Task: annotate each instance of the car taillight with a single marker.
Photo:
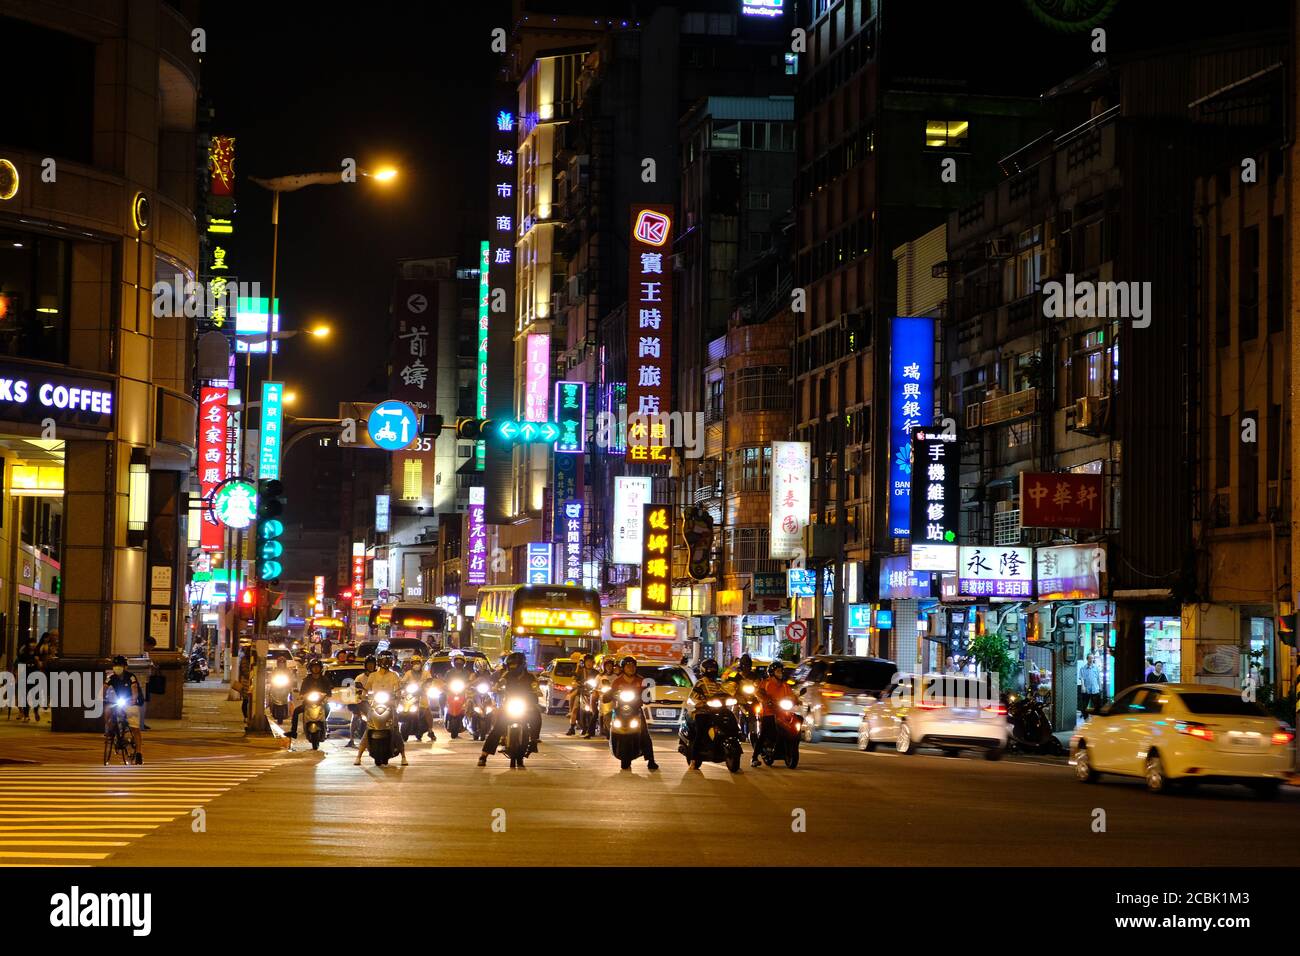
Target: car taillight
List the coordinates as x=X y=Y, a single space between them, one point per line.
x=995 y=709
x=832 y=693
x=1199 y=731
x=1283 y=737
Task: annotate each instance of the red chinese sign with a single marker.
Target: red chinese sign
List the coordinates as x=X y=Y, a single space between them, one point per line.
x=1066 y=500
x=221 y=165
x=213 y=463
x=649 y=333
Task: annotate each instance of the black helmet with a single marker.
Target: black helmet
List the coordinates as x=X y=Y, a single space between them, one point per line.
x=370 y=659
x=776 y=669
x=515 y=658
x=709 y=668
x=627 y=660
x=746 y=662
x=119 y=661
x=315 y=662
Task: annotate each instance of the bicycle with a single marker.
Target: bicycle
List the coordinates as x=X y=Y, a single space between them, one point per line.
x=117 y=737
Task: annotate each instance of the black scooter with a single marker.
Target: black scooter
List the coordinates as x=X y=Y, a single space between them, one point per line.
x=1030 y=726
x=723 y=736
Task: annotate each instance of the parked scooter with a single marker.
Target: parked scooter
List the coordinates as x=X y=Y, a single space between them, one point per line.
x=453 y=707
x=313 y=715
x=381 y=724
x=625 y=728
x=1030 y=726
x=281 y=682
x=198 y=668
x=723 y=741
x=481 y=711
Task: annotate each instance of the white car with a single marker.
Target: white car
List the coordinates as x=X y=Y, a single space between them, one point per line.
x=1182 y=734
x=947 y=711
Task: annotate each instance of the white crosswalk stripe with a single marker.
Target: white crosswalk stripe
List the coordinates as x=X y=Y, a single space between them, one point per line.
x=81 y=815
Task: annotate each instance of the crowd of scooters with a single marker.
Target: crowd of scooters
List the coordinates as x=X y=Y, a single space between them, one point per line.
x=501 y=708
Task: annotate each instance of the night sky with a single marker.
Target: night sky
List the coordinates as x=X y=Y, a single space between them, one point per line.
x=301 y=86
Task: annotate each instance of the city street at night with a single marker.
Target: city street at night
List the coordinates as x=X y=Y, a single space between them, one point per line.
x=880 y=413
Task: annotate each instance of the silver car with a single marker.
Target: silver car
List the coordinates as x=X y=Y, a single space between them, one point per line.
x=833 y=690
x=952 y=712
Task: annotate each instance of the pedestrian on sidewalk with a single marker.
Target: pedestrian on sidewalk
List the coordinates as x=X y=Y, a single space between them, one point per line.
x=246 y=681
x=1090 y=684
x=27 y=660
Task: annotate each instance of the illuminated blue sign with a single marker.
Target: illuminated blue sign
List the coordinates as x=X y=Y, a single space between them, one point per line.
x=859 y=617
x=268 y=458
x=911 y=403
x=802 y=582
x=539 y=562
x=885 y=620
x=761 y=8
x=392 y=425
x=898 y=581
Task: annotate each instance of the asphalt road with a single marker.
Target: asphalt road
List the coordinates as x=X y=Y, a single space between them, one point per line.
x=572 y=805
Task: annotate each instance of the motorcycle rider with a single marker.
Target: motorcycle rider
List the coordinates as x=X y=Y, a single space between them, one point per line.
x=770 y=692
x=701 y=720
x=513 y=678
x=745 y=674
x=627 y=679
x=384 y=679
x=369 y=666
x=121 y=681
x=314 y=681
x=585 y=670
x=415 y=673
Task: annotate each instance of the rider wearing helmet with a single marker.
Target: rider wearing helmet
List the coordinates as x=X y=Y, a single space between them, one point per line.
x=628 y=679
x=700 y=719
x=771 y=690
x=385 y=680
x=368 y=667
x=514 y=677
x=415 y=674
x=314 y=681
x=120 y=681
x=586 y=670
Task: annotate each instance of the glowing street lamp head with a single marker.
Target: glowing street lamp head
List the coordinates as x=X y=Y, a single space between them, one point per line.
x=320 y=331
x=384 y=174
x=288 y=398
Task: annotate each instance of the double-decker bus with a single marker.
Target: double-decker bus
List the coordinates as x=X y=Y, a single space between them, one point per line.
x=543 y=621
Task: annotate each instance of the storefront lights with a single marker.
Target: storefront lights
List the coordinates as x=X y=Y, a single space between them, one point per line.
x=137 y=515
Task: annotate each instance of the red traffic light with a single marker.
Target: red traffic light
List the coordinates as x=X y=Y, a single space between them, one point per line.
x=248 y=597
x=347 y=594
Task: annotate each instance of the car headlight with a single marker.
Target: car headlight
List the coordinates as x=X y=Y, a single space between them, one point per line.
x=381 y=697
x=786 y=704
x=515 y=707
x=457 y=686
x=714 y=702
x=627 y=696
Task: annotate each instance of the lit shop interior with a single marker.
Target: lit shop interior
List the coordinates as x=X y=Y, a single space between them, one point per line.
x=31 y=535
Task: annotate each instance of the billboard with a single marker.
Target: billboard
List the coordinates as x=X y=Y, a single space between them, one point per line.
x=649 y=329
x=381 y=512
x=936 y=500
x=213 y=461
x=571 y=515
x=911 y=404
x=1065 y=500
x=537 y=378
x=631 y=494
x=1069 y=573
x=539 y=562
x=476 y=564
x=414 y=345
x=570 y=409
x=656 y=559
x=268 y=456
x=791 y=481
x=995 y=572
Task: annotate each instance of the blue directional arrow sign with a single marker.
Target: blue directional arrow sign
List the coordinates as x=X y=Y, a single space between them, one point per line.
x=393 y=425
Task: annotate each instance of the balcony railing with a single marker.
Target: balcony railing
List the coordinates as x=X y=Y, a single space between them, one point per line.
x=1004 y=408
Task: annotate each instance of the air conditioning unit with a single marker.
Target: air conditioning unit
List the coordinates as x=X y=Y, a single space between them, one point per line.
x=1084 y=414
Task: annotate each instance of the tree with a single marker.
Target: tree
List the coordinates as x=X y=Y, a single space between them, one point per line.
x=992 y=654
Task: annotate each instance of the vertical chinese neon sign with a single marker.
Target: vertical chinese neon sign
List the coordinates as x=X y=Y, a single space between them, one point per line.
x=911 y=403
x=537 y=381
x=484 y=294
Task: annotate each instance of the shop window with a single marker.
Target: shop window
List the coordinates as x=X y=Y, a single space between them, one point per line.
x=34 y=283
x=946 y=134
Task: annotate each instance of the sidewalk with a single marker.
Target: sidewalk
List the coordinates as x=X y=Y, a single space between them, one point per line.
x=212 y=726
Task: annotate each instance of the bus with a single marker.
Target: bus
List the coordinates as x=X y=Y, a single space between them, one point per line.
x=645 y=636
x=543 y=621
x=413 y=620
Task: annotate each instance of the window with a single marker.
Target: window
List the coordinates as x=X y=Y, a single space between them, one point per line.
x=714 y=404
x=761 y=388
x=1248 y=284
x=1222 y=290
x=946 y=134
x=725 y=136
x=1090 y=366
x=1276 y=273
x=1248 y=475
x=746 y=551
x=748 y=469
x=412 y=479
x=760 y=200
x=1223 y=452
x=34 y=284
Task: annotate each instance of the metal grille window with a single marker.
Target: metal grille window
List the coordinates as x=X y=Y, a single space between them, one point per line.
x=746 y=551
x=1006 y=527
x=764 y=388
x=749 y=468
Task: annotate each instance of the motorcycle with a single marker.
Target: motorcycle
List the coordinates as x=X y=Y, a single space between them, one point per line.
x=625 y=728
x=313 y=716
x=453 y=713
x=117 y=737
x=604 y=702
x=482 y=711
x=198 y=669
x=723 y=743
x=380 y=726
x=1030 y=726
x=279 y=696
x=410 y=711
x=746 y=712
x=515 y=739
x=786 y=732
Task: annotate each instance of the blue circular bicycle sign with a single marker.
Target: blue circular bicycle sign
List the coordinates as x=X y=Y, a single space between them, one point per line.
x=393 y=425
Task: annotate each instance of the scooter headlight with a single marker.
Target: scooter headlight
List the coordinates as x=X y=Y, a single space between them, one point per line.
x=482 y=688
x=516 y=708
x=381 y=697
x=120 y=702
x=747 y=689
x=786 y=704
x=714 y=702
x=434 y=693
x=314 y=696
x=591 y=682
x=627 y=696
x=731 y=702
x=412 y=688
x=280 y=680
x=457 y=686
